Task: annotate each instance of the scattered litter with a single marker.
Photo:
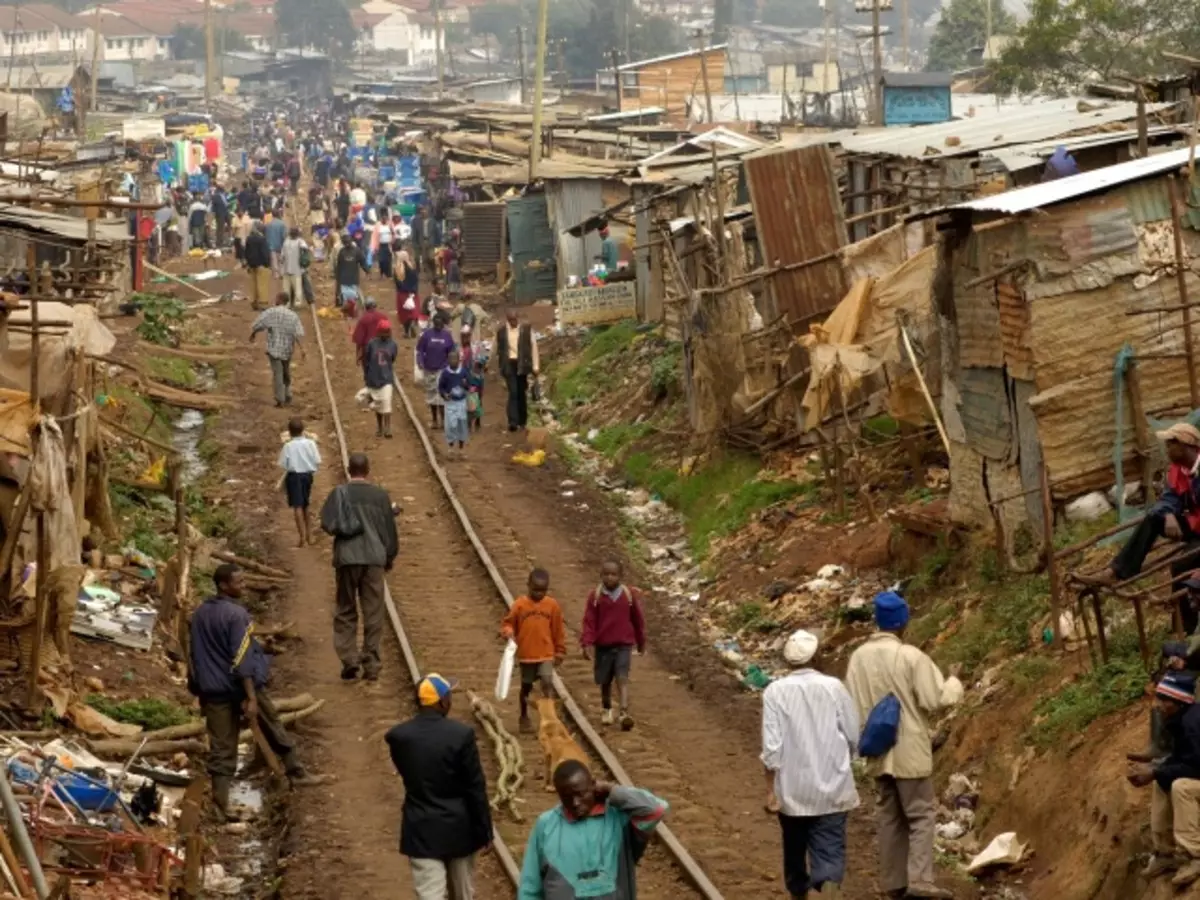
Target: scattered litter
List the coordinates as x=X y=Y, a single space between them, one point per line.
x=536 y=458
x=830 y=571
x=1088 y=508
x=1004 y=850
x=104 y=614
x=215 y=879
x=951 y=831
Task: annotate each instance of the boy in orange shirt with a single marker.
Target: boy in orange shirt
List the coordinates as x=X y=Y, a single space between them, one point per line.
x=535 y=622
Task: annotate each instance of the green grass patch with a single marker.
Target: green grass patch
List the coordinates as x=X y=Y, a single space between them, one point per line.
x=752 y=616
x=136 y=412
x=140 y=528
x=1077 y=532
x=715 y=499
x=1028 y=672
x=612 y=440
x=924 y=628
x=210 y=519
x=1001 y=623
x=666 y=371
x=580 y=380
x=178 y=372
x=1096 y=693
x=151 y=713
x=162 y=317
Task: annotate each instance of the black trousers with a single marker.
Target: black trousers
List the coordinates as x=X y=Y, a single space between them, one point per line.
x=1137 y=547
x=518 y=399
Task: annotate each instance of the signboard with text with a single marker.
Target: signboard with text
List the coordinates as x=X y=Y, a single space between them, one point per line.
x=597 y=305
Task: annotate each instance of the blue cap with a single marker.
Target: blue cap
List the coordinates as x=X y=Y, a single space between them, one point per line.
x=891 y=611
x=1177 y=686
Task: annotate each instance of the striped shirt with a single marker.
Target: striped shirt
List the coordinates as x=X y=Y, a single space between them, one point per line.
x=809 y=732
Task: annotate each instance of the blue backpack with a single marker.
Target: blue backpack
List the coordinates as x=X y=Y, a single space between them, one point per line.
x=882 y=727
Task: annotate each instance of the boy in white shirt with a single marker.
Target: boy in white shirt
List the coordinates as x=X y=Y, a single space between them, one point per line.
x=299 y=460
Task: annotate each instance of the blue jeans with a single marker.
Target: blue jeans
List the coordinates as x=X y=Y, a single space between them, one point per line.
x=818 y=842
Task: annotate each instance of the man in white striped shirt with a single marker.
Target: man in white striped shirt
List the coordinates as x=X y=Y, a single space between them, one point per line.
x=809 y=733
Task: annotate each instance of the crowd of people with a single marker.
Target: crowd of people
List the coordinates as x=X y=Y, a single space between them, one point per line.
x=813 y=725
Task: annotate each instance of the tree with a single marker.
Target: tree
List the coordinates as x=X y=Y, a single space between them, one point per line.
x=1064 y=45
x=187 y=42
x=962 y=28
x=321 y=24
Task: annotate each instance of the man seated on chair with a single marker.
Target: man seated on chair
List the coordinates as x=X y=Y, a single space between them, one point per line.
x=1176 y=517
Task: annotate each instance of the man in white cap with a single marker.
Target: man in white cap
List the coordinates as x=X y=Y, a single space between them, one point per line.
x=809 y=733
x=1176 y=515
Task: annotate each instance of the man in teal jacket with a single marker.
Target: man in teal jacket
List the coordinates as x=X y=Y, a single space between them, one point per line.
x=590 y=844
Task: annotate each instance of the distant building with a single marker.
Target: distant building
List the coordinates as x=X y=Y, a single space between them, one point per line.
x=494 y=90
x=670 y=81
x=801 y=72
x=393 y=28
x=916 y=98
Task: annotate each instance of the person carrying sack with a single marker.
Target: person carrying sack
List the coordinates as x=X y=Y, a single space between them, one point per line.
x=895 y=688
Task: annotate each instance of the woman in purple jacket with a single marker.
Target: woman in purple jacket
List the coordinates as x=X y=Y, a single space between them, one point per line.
x=433 y=350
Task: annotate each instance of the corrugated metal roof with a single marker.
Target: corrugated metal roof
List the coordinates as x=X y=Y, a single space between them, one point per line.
x=1037 y=122
x=642 y=63
x=1034 y=154
x=1037 y=196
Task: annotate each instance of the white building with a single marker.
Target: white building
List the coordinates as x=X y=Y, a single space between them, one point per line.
x=39 y=29
x=387 y=27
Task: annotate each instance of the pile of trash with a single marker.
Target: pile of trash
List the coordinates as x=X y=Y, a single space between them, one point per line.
x=955 y=831
x=116 y=599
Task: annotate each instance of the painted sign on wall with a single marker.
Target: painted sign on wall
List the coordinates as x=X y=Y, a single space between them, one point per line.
x=597 y=305
x=903 y=105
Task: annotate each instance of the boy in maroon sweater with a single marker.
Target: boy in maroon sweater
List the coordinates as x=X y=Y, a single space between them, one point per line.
x=613 y=625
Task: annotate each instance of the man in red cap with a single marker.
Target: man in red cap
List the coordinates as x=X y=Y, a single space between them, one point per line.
x=379 y=361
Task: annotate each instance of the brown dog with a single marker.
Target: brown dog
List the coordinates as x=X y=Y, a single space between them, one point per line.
x=556 y=741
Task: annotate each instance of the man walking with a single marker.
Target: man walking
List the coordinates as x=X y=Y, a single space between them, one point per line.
x=284 y=332
x=446 y=818
x=294 y=255
x=904 y=774
x=809 y=733
x=276 y=234
x=227 y=671
x=258 y=264
x=518 y=355
x=359 y=515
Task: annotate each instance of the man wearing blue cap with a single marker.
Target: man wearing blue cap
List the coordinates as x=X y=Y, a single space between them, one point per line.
x=446 y=818
x=1175 y=805
x=904 y=774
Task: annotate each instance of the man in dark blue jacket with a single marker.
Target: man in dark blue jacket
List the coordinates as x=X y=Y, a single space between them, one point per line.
x=228 y=672
x=446 y=818
x=1175 y=806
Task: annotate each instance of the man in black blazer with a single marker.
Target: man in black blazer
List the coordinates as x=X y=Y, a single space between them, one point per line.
x=446 y=818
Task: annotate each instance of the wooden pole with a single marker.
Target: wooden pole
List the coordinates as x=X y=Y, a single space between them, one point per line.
x=96 y=38
x=521 y=64
x=704 y=76
x=1141 y=429
x=209 y=55
x=1051 y=562
x=1181 y=281
x=539 y=77
x=617 y=78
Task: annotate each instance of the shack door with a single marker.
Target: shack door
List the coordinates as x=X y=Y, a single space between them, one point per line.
x=532 y=245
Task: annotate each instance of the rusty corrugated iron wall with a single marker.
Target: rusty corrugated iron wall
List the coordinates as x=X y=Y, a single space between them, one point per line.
x=483 y=234
x=798 y=213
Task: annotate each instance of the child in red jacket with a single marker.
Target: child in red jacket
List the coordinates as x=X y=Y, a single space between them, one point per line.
x=613 y=625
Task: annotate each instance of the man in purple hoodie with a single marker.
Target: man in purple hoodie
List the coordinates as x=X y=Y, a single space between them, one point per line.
x=433 y=351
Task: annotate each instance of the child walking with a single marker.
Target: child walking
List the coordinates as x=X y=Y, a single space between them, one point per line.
x=535 y=622
x=379 y=360
x=475 y=395
x=613 y=625
x=454 y=388
x=299 y=458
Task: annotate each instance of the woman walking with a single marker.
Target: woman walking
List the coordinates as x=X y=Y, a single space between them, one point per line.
x=407 y=280
x=433 y=353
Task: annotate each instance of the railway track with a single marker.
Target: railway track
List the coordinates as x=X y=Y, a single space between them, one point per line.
x=450 y=586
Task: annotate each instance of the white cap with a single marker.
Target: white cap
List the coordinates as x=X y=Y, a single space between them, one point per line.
x=800 y=648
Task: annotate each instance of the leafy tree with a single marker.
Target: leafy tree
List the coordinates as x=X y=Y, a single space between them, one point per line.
x=321 y=24
x=1063 y=45
x=963 y=27
x=187 y=41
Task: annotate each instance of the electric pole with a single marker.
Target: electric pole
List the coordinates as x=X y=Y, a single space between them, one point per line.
x=616 y=56
x=825 y=72
x=539 y=77
x=437 y=37
x=877 y=50
x=521 y=63
x=95 y=54
x=209 y=50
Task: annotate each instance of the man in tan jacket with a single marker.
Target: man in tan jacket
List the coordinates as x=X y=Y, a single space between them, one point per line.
x=904 y=775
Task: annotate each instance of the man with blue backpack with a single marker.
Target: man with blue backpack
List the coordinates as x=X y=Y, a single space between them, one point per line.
x=896 y=687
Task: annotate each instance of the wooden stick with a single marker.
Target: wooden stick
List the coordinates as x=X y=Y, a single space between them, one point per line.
x=1181 y=282
x=937 y=419
x=1097 y=538
x=14 y=866
x=171 y=277
x=999 y=273
x=264 y=748
x=252 y=565
x=1051 y=562
x=117 y=426
x=1141 y=429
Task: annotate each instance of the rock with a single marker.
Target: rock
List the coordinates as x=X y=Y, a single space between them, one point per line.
x=1132 y=489
x=1088 y=508
x=830 y=571
x=92 y=683
x=658 y=553
x=777 y=589
x=950 y=831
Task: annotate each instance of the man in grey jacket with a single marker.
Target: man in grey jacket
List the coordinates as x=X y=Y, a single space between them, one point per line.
x=361 y=518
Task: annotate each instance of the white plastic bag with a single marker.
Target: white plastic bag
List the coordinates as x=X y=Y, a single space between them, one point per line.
x=508 y=662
